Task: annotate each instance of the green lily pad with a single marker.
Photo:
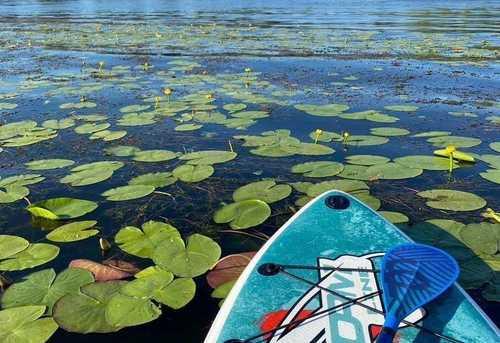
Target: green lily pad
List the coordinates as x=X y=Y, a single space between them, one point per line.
x=49 y=164
x=325 y=136
x=250 y=114
x=392 y=171
x=367 y=160
x=59 y=124
x=389 y=131
x=129 y=192
x=188 y=127
x=61 y=208
x=208 y=157
x=425 y=162
x=91 y=128
x=34 y=255
x=492 y=175
x=13 y=193
x=222 y=291
x=21 y=180
x=154 y=155
x=44 y=288
x=7 y=106
x=122 y=150
x=267 y=191
x=243 y=214
x=24 y=325
x=85 y=312
x=189 y=173
x=366 y=140
x=457 y=141
x=11 y=245
x=394 y=217
x=495 y=146
x=491 y=159
x=318 y=169
x=447 y=199
x=401 y=108
x=234 y=107
x=199 y=255
x=474 y=273
x=123 y=311
x=482 y=237
x=136 y=119
x=157 y=180
x=108 y=135
x=134 y=108
x=428 y=134
x=72 y=232
x=143 y=242
x=177 y=294
x=348 y=186
x=329 y=110
x=91 y=173
x=355 y=172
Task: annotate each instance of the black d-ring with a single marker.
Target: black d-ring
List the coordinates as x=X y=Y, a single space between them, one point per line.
x=269 y=269
x=337 y=202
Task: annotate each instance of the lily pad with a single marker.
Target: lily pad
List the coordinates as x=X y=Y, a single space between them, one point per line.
x=157 y=180
x=123 y=311
x=366 y=140
x=91 y=128
x=72 y=232
x=428 y=134
x=44 y=288
x=11 y=245
x=105 y=272
x=395 y=217
x=13 y=193
x=143 y=242
x=425 y=162
x=122 y=150
x=61 y=208
x=456 y=141
x=229 y=268
x=366 y=160
x=482 y=238
x=341 y=185
x=189 y=173
x=208 y=157
x=393 y=171
x=34 y=255
x=188 y=127
x=154 y=155
x=267 y=191
x=401 y=108
x=318 y=169
x=85 y=312
x=329 y=110
x=492 y=175
x=129 y=192
x=243 y=214
x=25 y=325
x=389 y=131
x=200 y=254
x=59 y=124
x=177 y=294
x=356 y=172
x=21 y=180
x=495 y=146
x=49 y=164
x=447 y=199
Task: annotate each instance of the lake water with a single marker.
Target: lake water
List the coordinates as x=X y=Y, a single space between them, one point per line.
x=68 y=59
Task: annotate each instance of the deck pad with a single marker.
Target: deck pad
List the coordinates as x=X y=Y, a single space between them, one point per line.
x=354 y=237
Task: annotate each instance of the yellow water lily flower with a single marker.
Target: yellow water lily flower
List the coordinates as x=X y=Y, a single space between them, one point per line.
x=101 y=65
x=490 y=214
x=317 y=134
x=248 y=70
x=345 y=137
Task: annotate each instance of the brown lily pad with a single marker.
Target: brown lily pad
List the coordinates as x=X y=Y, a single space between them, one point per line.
x=102 y=272
x=229 y=268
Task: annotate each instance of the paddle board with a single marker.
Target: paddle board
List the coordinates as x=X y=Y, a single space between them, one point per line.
x=335 y=230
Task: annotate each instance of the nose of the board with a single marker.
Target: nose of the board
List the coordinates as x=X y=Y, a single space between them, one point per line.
x=337 y=201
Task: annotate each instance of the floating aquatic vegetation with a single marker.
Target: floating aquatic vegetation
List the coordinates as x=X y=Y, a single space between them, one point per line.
x=370 y=115
x=61 y=208
x=188 y=127
x=366 y=160
x=26 y=321
x=495 y=146
x=34 y=255
x=73 y=232
x=77 y=105
x=122 y=150
x=136 y=119
x=193 y=173
x=153 y=155
x=45 y=288
x=356 y=172
x=7 y=106
x=447 y=199
x=389 y=131
x=108 y=270
x=492 y=160
x=432 y=134
x=329 y=110
x=457 y=141
x=222 y=291
x=463 y=114
x=394 y=217
x=235 y=107
x=47 y=164
x=266 y=190
x=401 y=108
x=318 y=168
x=157 y=180
x=425 y=162
x=228 y=268
x=11 y=245
x=91 y=173
x=243 y=214
x=324 y=136
x=129 y=192
x=108 y=135
x=91 y=128
x=492 y=175
x=13 y=193
x=453 y=154
x=365 y=140
x=59 y=124
x=143 y=242
x=208 y=157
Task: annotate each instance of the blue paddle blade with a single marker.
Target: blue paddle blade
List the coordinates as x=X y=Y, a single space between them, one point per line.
x=412 y=275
